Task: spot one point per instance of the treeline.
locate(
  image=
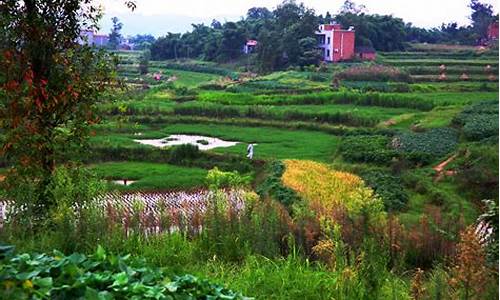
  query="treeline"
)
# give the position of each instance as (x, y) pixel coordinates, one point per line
(286, 35)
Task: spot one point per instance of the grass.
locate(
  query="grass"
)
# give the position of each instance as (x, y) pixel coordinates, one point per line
(440, 116)
(187, 78)
(271, 142)
(151, 176)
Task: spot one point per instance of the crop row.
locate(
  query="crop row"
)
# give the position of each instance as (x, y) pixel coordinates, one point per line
(438, 62)
(345, 97)
(226, 111)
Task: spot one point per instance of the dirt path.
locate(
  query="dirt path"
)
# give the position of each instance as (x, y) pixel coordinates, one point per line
(440, 167)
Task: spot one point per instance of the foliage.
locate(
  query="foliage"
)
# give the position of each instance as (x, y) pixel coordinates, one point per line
(388, 187)
(477, 170)
(383, 32)
(183, 152)
(115, 37)
(427, 146)
(479, 121)
(470, 272)
(217, 179)
(50, 85)
(273, 187)
(98, 276)
(367, 148)
(142, 41)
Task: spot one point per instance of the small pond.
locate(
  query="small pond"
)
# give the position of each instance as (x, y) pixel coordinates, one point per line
(203, 142)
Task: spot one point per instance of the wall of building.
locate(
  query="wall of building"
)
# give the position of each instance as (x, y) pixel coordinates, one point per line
(343, 45)
(338, 43)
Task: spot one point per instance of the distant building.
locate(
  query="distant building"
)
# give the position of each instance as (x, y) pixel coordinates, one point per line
(336, 44)
(249, 47)
(100, 40)
(493, 31)
(86, 37)
(365, 53)
(89, 37)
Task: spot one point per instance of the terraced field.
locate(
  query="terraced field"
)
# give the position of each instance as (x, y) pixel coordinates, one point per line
(298, 114)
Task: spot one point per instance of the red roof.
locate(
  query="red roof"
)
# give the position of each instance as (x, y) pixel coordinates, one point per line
(251, 43)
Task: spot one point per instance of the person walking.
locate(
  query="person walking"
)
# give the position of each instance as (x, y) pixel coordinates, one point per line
(250, 151)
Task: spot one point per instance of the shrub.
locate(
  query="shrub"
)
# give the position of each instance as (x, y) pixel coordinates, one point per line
(477, 170)
(183, 152)
(479, 121)
(274, 188)
(389, 188)
(427, 146)
(367, 148)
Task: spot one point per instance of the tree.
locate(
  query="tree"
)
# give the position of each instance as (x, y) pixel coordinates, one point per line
(142, 41)
(349, 7)
(216, 24)
(233, 39)
(383, 32)
(310, 55)
(115, 37)
(481, 17)
(50, 85)
(257, 13)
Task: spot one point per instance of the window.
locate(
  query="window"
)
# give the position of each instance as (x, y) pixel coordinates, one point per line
(328, 41)
(328, 53)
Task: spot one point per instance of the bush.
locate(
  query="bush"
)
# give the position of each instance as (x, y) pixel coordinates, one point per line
(273, 187)
(427, 146)
(479, 121)
(477, 168)
(389, 188)
(183, 152)
(367, 149)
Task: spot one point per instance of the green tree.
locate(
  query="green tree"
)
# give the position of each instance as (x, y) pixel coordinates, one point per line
(50, 87)
(310, 55)
(233, 39)
(481, 17)
(115, 37)
(142, 41)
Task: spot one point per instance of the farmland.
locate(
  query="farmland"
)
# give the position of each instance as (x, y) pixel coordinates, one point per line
(328, 161)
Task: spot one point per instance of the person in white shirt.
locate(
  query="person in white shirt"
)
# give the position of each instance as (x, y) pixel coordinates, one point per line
(250, 151)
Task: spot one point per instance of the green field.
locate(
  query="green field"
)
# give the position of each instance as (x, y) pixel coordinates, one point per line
(151, 176)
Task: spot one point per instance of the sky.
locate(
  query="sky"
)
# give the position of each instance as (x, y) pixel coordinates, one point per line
(158, 17)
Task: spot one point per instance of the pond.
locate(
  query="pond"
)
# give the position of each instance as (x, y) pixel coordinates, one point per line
(203, 142)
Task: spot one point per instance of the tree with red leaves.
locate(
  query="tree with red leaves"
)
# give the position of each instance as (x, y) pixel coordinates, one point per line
(49, 87)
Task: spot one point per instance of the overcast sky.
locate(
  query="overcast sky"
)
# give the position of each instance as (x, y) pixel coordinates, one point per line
(161, 16)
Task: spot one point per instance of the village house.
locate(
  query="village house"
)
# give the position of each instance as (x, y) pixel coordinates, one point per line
(337, 44)
(249, 47)
(365, 53)
(89, 37)
(493, 31)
